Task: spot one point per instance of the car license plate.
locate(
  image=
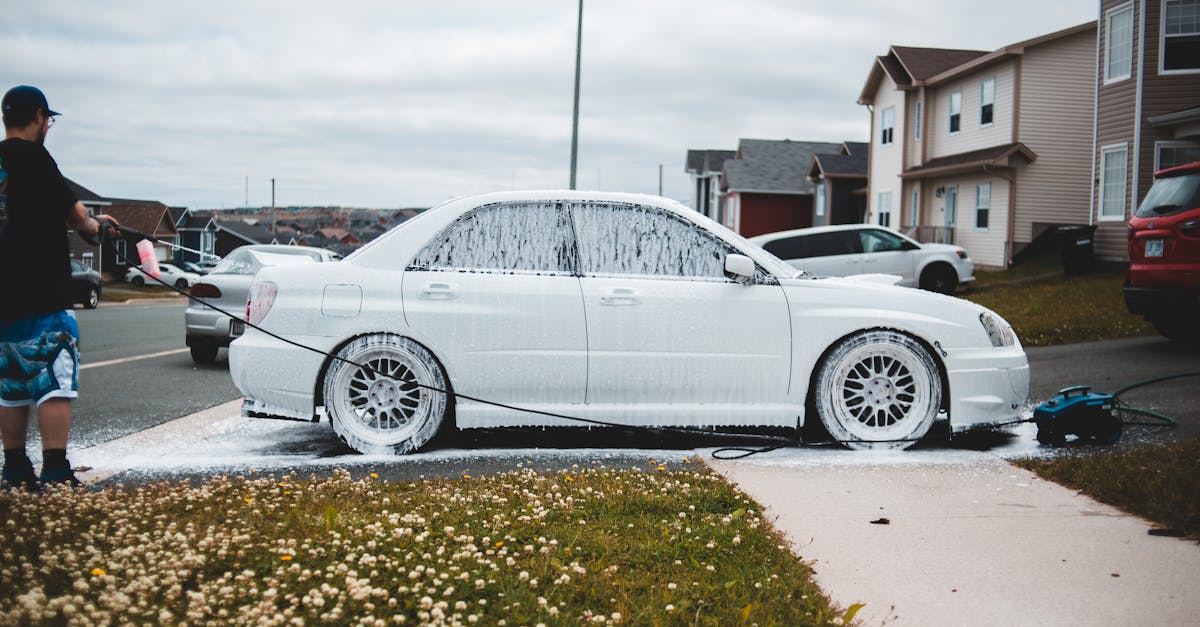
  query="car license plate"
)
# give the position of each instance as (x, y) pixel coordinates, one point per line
(236, 328)
(1154, 248)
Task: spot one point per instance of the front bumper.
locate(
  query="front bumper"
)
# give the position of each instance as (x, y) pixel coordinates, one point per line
(1152, 301)
(988, 386)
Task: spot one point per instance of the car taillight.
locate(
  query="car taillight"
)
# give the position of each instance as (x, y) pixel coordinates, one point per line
(205, 290)
(262, 297)
(962, 254)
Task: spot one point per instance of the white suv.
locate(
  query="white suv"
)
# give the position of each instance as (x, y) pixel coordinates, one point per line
(849, 249)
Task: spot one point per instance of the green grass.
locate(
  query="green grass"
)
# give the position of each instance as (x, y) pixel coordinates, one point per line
(121, 292)
(1160, 482)
(1045, 307)
(659, 547)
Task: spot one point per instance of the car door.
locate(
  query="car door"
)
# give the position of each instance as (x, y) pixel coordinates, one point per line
(887, 253)
(497, 297)
(666, 328)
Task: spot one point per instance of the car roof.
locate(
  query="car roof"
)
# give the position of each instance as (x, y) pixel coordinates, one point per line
(813, 230)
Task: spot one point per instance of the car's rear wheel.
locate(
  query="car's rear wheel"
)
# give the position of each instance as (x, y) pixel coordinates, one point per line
(878, 390)
(204, 353)
(93, 298)
(138, 280)
(939, 278)
(381, 394)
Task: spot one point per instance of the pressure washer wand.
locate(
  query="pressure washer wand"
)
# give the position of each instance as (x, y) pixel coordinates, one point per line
(128, 233)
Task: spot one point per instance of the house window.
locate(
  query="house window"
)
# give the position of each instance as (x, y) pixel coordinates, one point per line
(1171, 154)
(885, 208)
(1118, 57)
(122, 254)
(819, 200)
(955, 111)
(887, 125)
(208, 241)
(914, 218)
(987, 101)
(983, 202)
(1113, 171)
(1181, 35)
(917, 120)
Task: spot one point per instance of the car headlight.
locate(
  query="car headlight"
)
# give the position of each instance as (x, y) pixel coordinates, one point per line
(998, 331)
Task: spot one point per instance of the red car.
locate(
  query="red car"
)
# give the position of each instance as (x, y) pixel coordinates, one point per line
(1163, 282)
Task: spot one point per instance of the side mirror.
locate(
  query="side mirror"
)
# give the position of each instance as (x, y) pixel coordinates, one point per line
(740, 268)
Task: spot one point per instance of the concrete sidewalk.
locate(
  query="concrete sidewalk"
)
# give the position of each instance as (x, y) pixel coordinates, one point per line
(974, 541)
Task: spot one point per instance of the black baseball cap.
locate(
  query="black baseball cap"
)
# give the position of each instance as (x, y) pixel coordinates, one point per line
(26, 98)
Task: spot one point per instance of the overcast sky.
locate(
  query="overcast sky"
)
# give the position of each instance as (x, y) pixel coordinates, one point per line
(396, 104)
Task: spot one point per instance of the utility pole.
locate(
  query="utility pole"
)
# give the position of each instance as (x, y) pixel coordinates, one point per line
(575, 116)
(273, 204)
(660, 179)
(247, 202)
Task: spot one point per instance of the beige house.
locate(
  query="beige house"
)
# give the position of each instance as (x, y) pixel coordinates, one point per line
(986, 150)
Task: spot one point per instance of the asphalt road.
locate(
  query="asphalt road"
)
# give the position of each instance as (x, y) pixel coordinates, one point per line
(117, 399)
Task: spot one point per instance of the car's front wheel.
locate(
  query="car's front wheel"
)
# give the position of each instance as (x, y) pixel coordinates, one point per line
(878, 390)
(381, 394)
(939, 278)
(93, 298)
(181, 284)
(138, 280)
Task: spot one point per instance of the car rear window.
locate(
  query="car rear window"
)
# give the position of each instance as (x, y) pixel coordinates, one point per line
(243, 261)
(1172, 195)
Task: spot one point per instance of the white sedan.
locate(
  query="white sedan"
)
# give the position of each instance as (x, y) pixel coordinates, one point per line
(622, 308)
(849, 249)
(167, 273)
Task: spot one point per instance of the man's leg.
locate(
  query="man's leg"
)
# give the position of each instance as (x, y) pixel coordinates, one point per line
(54, 422)
(18, 470)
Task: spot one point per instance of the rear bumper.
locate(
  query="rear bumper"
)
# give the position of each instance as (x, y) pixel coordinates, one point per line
(276, 378)
(1151, 301)
(203, 325)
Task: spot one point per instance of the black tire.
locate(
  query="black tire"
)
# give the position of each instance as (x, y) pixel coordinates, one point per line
(181, 284)
(374, 414)
(1176, 328)
(878, 390)
(93, 298)
(939, 278)
(204, 354)
(137, 280)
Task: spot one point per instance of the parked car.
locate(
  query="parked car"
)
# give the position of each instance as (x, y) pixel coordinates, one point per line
(206, 329)
(167, 273)
(624, 308)
(85, 285)
(1163, 281)
(851, 249)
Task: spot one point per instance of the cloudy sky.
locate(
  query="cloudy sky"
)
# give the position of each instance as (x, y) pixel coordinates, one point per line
(399, 103)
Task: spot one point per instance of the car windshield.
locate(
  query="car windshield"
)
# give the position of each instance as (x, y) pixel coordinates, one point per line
(247, 261)
(1172, 195)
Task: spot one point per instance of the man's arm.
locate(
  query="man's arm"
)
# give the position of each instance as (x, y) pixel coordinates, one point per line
(78, 219)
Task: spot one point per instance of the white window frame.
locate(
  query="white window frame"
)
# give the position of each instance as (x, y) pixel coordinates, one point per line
(887, 126)
(951, 113)
(983, 103)
(979, 187)
(1104, 152)
(1108, 57)
(1158, 146)
(884, 209)
(917, 120)
(1162, 45)
(819, 198)
(914, 210)
(208, 242)
(122, 251)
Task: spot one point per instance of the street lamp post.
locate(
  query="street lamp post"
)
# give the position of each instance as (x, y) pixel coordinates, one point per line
(575, 116)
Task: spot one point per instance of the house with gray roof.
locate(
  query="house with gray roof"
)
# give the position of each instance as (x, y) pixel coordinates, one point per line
(840, 184)
(765, 186)
(705, 167)
(231, 234)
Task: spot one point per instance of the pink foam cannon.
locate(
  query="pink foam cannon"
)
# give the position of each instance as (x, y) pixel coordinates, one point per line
(149, 261)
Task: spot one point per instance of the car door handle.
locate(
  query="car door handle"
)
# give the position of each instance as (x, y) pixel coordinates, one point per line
(620, 297)
(439, 291)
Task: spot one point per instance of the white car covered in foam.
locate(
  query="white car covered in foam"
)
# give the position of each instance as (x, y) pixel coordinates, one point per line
(620, 308)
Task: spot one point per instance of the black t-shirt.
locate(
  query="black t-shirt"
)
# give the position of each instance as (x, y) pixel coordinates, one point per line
(35, 267)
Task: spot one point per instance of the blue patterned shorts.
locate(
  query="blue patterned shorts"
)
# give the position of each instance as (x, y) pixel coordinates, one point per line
(39, 359)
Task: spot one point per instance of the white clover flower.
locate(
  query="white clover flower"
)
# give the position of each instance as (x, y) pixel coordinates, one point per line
(670, 607)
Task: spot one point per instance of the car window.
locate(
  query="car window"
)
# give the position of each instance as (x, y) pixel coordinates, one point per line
(876, 241)
(788, 247)
(508, 237)
(243, 261)
(833, 243)
(616, 238)
(76, 266)
(1169, 196)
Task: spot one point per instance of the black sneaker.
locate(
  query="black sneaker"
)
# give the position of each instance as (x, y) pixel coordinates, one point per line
(63, 476)
(20, 478)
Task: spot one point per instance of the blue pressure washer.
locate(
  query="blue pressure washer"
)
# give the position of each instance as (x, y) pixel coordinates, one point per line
(1090, 416)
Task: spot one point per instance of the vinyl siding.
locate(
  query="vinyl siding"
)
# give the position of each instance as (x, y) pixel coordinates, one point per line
(1115, 111)
(971, 135)
(1057, 101)
(886, 160)
(987, 247)
(1161, 93)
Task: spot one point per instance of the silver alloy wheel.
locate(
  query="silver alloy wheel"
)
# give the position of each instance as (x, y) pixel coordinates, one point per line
(878, 389)
(378, 399)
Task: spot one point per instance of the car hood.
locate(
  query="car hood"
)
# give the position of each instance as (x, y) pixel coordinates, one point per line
(945, 248)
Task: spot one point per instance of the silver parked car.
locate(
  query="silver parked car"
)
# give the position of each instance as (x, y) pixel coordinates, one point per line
(227, 287)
